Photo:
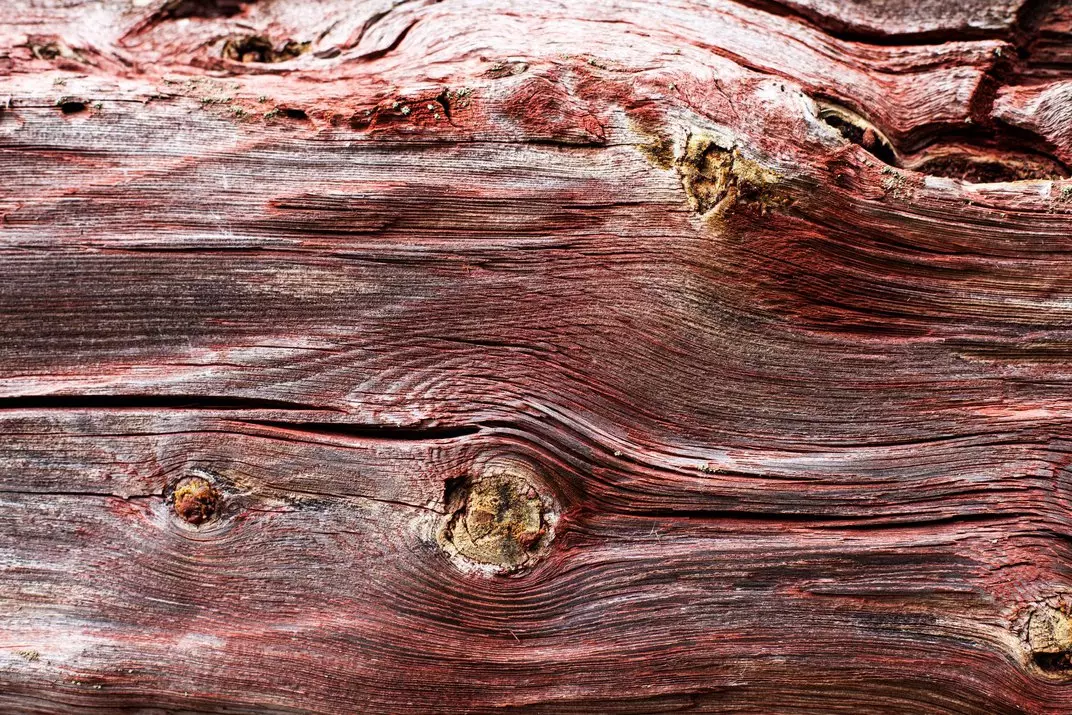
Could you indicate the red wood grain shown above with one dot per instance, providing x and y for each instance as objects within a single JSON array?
[{"x": 738, "y": 335}]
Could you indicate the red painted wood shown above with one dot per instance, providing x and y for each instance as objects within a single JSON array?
[{"x": 599, "y": 357}]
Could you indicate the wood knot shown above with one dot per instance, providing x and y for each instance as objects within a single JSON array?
[
  {"x": 717, "y": 177},
  {"x": 498, "y": 522},
  {"x": 1049, "y": 636},
  {"x": 195, "y": 500}
]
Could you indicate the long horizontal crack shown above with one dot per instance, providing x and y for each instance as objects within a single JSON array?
[
  {"x": 160, "y": 495},
  {"x": 370, "y": 431},
  {"x": 151, "y": 402},
  {"x": 71, "y": 493}
]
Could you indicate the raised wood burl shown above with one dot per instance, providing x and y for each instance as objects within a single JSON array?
[{"x": 483, "y": 356}]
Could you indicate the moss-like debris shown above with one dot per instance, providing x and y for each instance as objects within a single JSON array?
[{"x": 195, "y": 500}]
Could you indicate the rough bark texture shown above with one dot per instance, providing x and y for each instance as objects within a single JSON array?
[{"x": 460, "y": 356}]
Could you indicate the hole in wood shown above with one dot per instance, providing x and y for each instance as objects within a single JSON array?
[
  {"x": 178, "y": 9},
  {"x": 498, "y": 521},
  {"x": 976, "y": 155},
  {"x": 859, "y": 131},
  {"x": 257, "y": 48},
  {"x": 984, "y": 164},
  {"x": 195, "y": 500},
  {"x": 48, "y": 50},
  {"x": 72, "y": 107}
]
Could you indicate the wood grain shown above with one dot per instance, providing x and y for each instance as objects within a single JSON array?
[{"x": 591, "y": 357}]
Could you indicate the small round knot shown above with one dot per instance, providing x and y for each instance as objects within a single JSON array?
[{"x": 195, "y": 500}]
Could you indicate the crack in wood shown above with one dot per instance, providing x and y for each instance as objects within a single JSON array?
[{"x": 115, "y": 402}]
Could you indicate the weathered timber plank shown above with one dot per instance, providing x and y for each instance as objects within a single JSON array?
[
  {"x": 656, "y": 597},
  {"x": 588, "y": 357}
]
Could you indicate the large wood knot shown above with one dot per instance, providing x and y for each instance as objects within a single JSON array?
[
  {"x": 498, "y": 520},
  {"x": 1049, "y": 636}
]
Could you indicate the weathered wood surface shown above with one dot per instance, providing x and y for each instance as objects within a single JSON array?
[{"x": 567, "y": 357}]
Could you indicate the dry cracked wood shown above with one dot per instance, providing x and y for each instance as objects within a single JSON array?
[{"x": 472, "y": 355}]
